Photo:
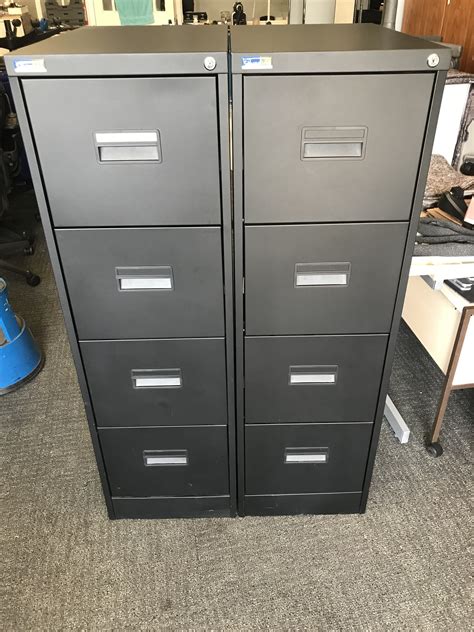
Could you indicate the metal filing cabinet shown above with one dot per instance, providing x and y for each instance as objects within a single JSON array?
[
  {"x": 126, "y": 130},
  {"x": 332, "y": 135},
  {"x": 127, "y": 133}
]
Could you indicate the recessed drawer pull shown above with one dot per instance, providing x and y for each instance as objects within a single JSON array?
[
  {"x": 154, "y": 458},
  {"x": 332, "y": 150},
  {"x": 318, "y": 274},
  {"x": 306, "y": 455},
  {"x": 333, "y": 143},
  {"x": 312, "y": 375},
  {"x": 145, "y": 278},
  {"x": 128, "y": 146},
  {"x": 157, "y": 378}
]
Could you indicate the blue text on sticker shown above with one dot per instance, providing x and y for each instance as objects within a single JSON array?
[
  {"x": 29, "y": 65},
  {"x": 256, "y": 63}
]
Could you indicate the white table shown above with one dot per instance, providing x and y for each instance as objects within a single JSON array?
[{"x": 443, "y": 322}]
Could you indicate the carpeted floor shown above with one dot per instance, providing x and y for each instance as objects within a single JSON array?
[{"x": 401, "y": 566}]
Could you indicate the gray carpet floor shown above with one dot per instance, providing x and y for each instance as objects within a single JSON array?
[{"x": 401, "y": 566}]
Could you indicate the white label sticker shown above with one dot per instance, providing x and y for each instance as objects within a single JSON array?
[
  {"x": 29, "y": 65},
  {"x": 256, "y": 63}
]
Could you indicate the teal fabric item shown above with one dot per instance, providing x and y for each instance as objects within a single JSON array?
[{"x": 135, "y": 11}]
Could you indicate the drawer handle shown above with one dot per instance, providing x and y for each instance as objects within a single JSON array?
[
  {"x": 143, "y": 278},
  {"x": 332, "y": 150},
  {"x": 156, "y": 458},
  {"x": 332, "y": 143},
  {"x": 128, "y": 146},
  {"x": 157, "y": 378},
  {"x": 306, "y": 455},
  {"x": 321, "y": 274},
  {"x": 313, "y": 375}
]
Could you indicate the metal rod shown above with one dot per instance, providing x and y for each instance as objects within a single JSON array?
[{"x": 389, "y": 13}]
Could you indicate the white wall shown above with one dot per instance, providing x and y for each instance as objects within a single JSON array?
[{"x": 450, "y": 117}]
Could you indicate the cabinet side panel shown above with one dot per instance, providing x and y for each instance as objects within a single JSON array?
[{"x": 416, "y": 207}]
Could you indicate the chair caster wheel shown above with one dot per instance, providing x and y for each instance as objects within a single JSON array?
[
  {"x": 33, "y": 279},
  {"x": 435, "y": 449},
  {"x": 29, "y": 251}
]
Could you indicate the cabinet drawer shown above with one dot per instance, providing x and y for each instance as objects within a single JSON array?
[
  {"x": 144, "y": 283},
  {"x": 143, "y": 152},
  {"x": 322, "y": 279},
  {"x": 308, "y": 458},
  {"x": 312, "y": 378},
  {"x": 157, "y": 382},
  {"x": 166, "y": 461},
  {"x": 328, "y": 134}
]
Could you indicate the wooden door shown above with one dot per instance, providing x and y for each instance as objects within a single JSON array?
[
  {"x": 458, "y": 27},
  {"x": 452, "y": 19},
  {"x": 423, "y": 17}
]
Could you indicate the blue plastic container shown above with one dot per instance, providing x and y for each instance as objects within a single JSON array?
[{"x": 20, "y": 356}]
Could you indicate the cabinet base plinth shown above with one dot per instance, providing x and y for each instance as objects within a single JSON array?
[
  {"x": 172, "y": 507},
  {"x": 291, "y": 504}
]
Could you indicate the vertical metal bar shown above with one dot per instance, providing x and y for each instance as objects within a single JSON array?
[
  {"x": 389, "y": 13},
  {"x": 57, "y": 270},
  {"x": 237, "y": 177},
  {"x": 415, "y": 211},
  {"x": 227, "y": 246}
]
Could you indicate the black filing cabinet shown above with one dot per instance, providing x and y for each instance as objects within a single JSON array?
[
  {"x": 230, "y": 222},
  {"x": 127, "y": 135},
  {"x": 332, "y": 134}
]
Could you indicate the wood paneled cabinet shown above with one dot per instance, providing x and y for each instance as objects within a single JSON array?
[{"x": 452, "y": 19}]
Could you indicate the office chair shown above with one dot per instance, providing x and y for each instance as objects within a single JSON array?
[
  {"x": 12, "y": 241},
  {"x": 72, "y": 14}
]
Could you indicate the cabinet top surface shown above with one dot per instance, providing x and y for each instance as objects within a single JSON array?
[
  {"x": 124, "y": 50},
  {"x": 180, "y": 50},
  {"x": 325, "y": 38},
  {"x": 129, "y": 40},
  {"x": 332, "y": 48}
]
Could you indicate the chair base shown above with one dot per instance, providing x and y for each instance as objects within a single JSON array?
[
  {"x": 31, "y": 278},
  {"x": 15, "y": 243}
]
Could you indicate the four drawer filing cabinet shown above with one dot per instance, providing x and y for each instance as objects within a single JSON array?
[
  {"x": 130, "y": 134},
  {"x": 173, "y": 219},
  {"x": 332, "y": 134}
]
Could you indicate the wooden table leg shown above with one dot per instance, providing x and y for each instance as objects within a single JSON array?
[{"x": 433, "y": 445}]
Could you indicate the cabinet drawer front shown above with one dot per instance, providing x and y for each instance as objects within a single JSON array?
[
  {"x": 136, "y": 155},
  {"x": 322, "y": 279},
  {"x": 313, "y": 378},
  {"x": 157, "y": 382},
  {"x": 166, "y": 461},
  {"x": 144, "y": 283},
  {"x": 308, "y": 458},
  {"x": 310, "y": 139}
]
